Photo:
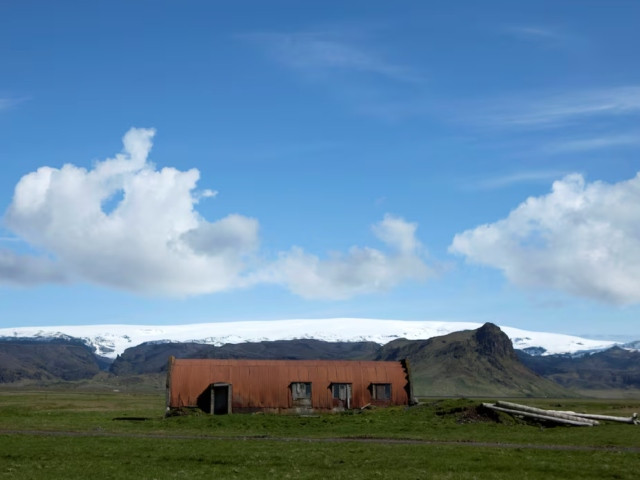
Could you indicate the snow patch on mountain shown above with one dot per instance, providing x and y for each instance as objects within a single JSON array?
[
  {"x": 112, "y": 340},
  {"x": 632, "y": 346}
]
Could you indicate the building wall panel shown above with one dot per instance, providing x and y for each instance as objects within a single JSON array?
[{"x": 265, "y": 384}]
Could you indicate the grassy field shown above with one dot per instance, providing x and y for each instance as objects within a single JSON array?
[{"x": 72, "y": 435}]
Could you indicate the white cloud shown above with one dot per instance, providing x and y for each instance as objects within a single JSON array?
[
  {"x": 554, "y": 37},
  {"x": 353, "y": 66},
  {"x": 362, "y": 270},
  {"x": 153, "y": 241},
  {"x": 398, "y": 234},
  {"x": 128, "y": 225},
  {"x": 8, "y": 102},
  {"x": 562, "y": 109},
  {"x": 581, "y": 238},
  {"x": 516, "y": 178},
  {"x": 232, "y": 234},
  {"x": 543, "y": 35},
  {"x": 532, "y": 32},
  {"x": 322, "y": 52},
  {"x": 594, "y": 143},
  {"x": 27, "y": 270},
  {"x": 10, "y": 239}
]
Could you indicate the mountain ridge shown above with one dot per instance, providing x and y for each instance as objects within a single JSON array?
[
  {"x": 480, "y": 362},
  {"x": 112, "y": 340},
  {"x": 612, "y": 368},
  {"x": 468, "y": 362}
]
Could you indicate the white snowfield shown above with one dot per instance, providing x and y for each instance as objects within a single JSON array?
[{"x": 112, "y": 340}]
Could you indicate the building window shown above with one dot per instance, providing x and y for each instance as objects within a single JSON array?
[
  {"x": 381, "y": 391},
  {"x": 301, "y": 390},
  {"x": 341, "y": 391}
]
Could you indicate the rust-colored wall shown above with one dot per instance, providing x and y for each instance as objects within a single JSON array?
[{"x": 264, "y": 384}]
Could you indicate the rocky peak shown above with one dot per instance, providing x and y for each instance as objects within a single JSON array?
[{"x": 493, "y": 342}]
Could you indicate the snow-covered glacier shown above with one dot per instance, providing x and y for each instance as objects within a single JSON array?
[{"x": 111, "y": 340}]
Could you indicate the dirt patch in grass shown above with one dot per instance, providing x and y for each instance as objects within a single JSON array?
[{"x": 469, "y": 411}]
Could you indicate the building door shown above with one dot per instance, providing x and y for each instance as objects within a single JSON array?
[
  {"x": 341, "y": 394},
  {"x": 220, "y": 398}
]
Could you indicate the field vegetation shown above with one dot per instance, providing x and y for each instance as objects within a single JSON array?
[{"x": 71, "y": 434}]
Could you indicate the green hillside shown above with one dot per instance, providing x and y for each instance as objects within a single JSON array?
[{"x": 469, "y": 363}]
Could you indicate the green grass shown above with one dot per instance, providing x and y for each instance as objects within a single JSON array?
[
  {"x": 27, "y": 457},
  {"x": 88, "y": 438}
]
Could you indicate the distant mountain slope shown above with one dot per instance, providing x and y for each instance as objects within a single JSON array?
[
  {"x": 28, "y": 359},
  {"x": 112, "y": 340},
  {"x": 152, "y": 357},
  {"x": 615, "y": 368},
  {"x": 478, "y": 362}
]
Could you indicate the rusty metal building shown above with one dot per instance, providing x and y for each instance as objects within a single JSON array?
[{"x": 225, "y": 386}]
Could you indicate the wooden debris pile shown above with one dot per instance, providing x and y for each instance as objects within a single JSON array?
[{"x": 558, "y": 416}]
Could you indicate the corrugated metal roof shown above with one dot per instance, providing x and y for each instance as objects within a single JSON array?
[{"x": 265, "y": 384}]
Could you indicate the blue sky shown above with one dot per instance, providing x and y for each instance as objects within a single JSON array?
[{"x": 176, "y": 162}]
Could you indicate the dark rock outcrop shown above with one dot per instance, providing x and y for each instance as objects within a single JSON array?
[{"x": 469, "y": 363}]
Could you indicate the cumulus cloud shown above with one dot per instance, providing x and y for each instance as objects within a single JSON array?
[
  {"x": 581, "y": 238},
  {"x": 126, "y": 224},
  {"x": 362, "y": 270},
  {"x": 152, "y": 241},
  {"x": 28, "y": 270}
]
